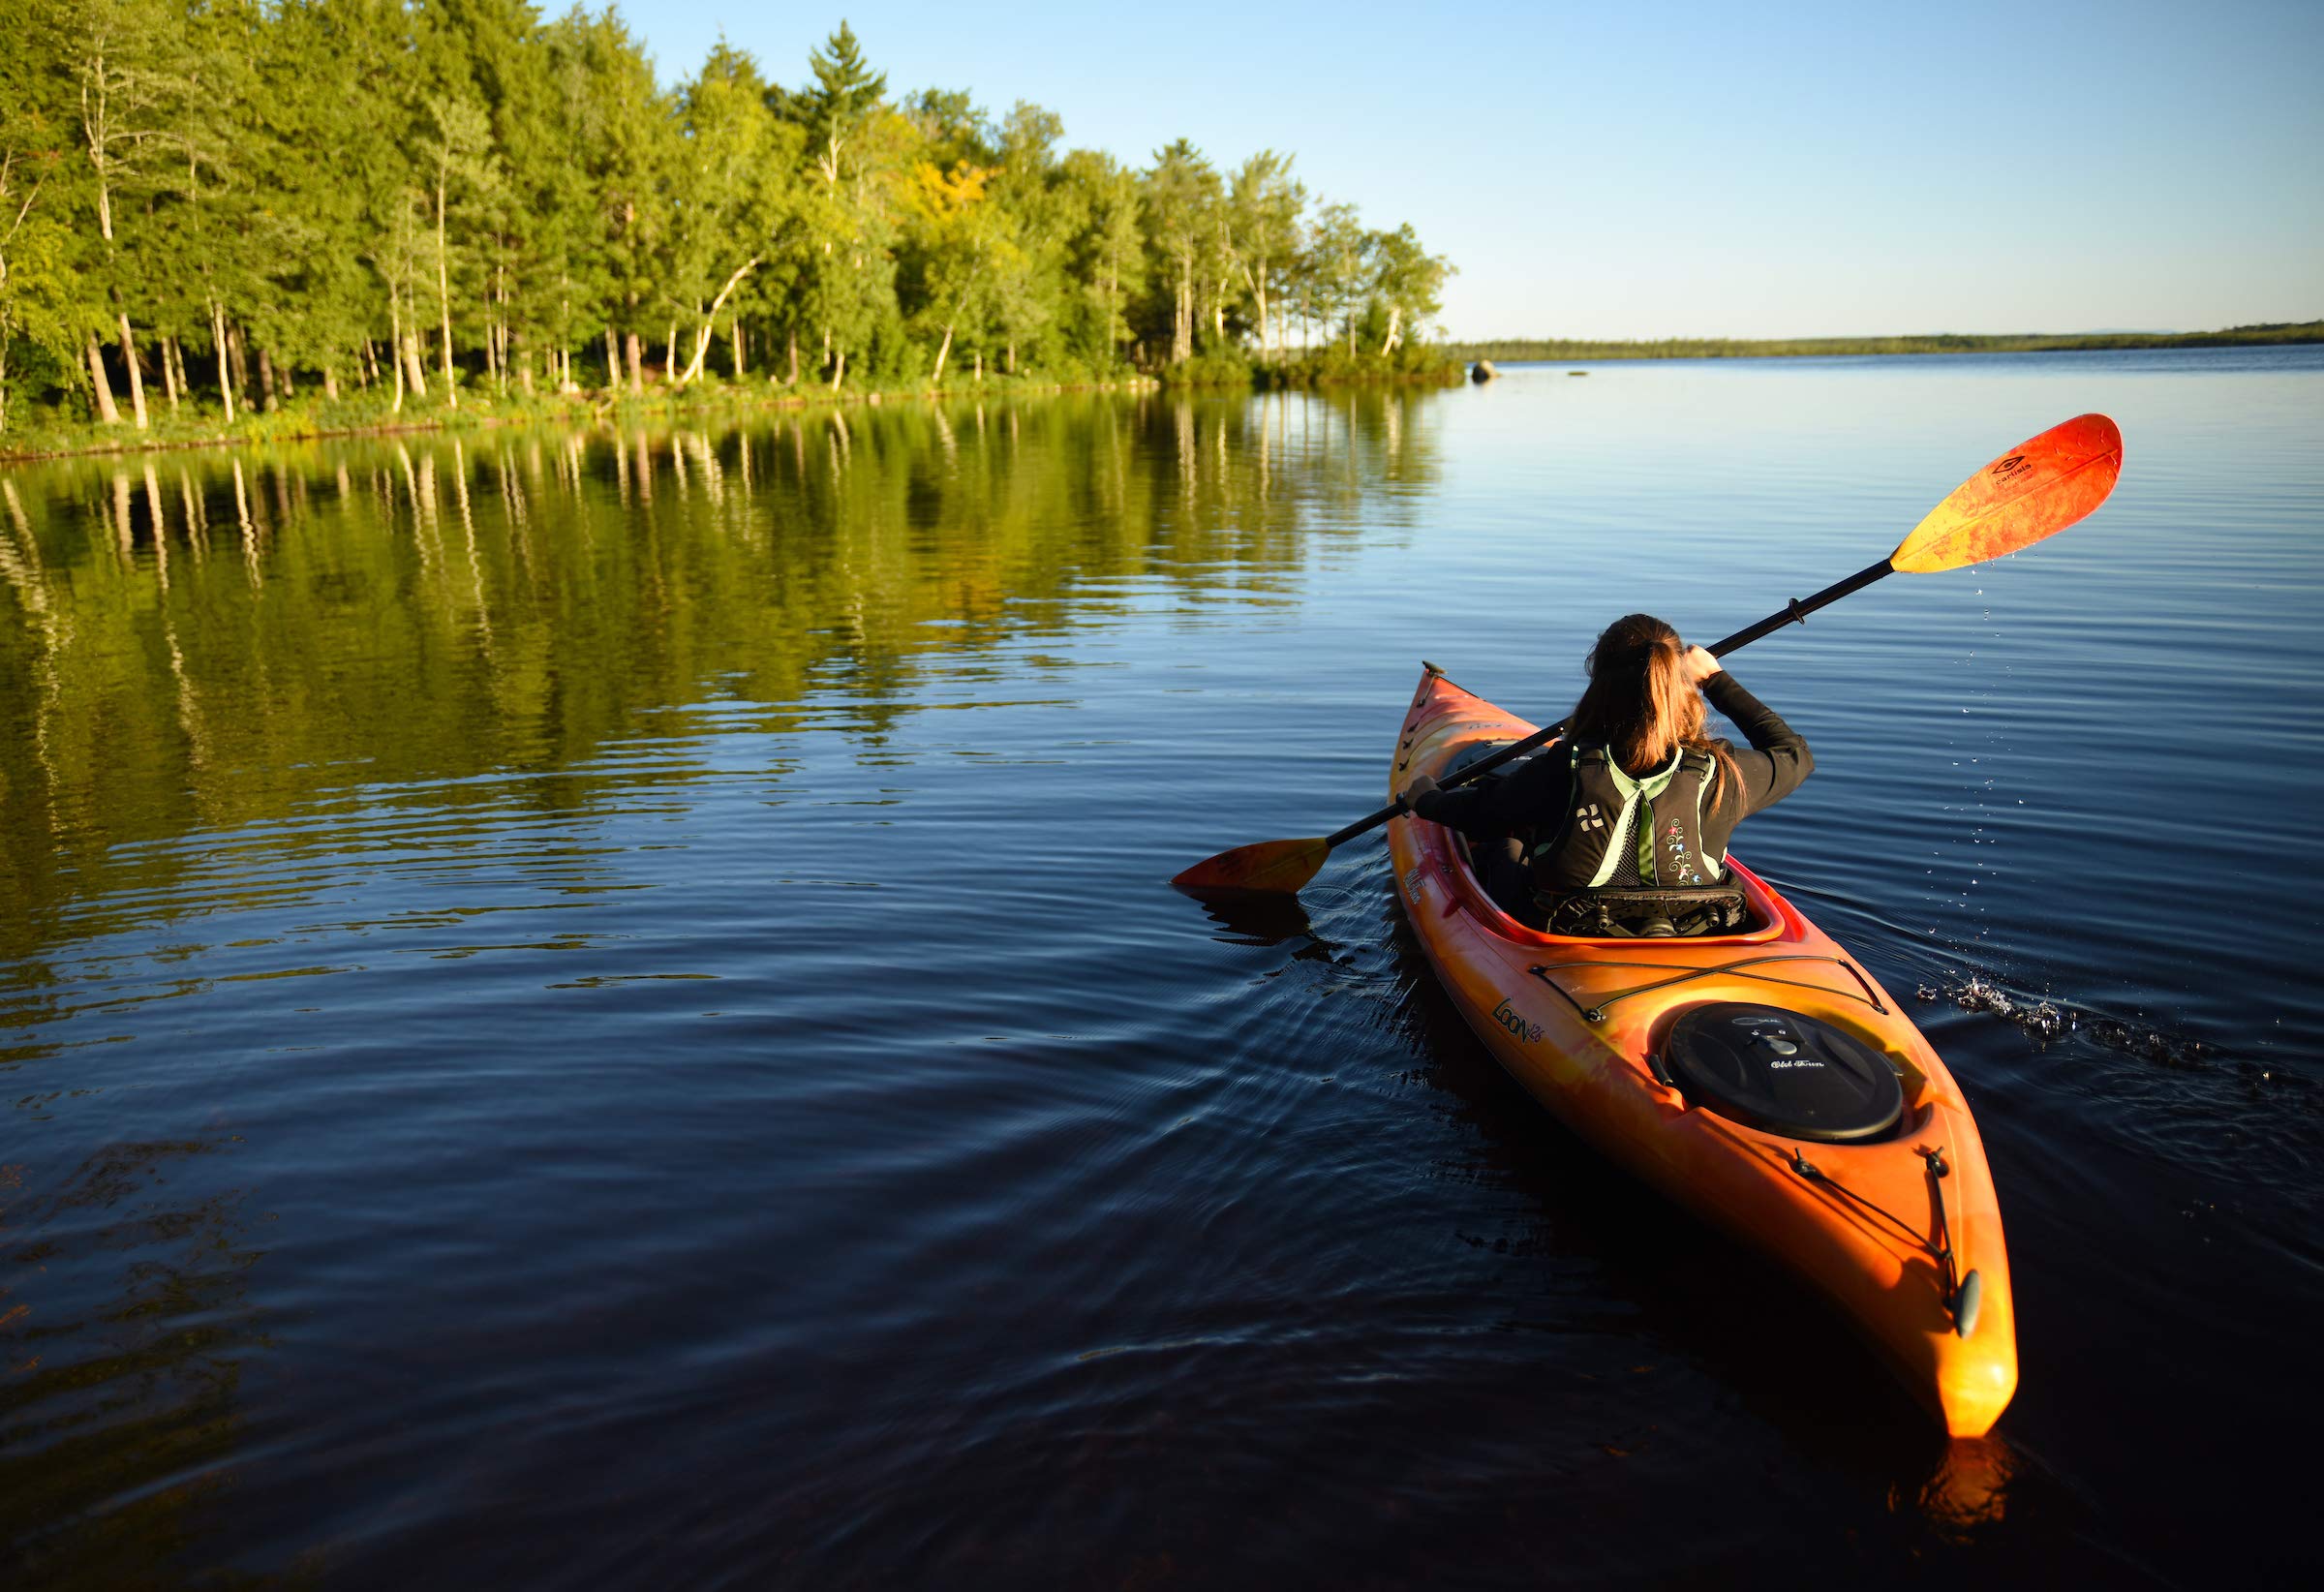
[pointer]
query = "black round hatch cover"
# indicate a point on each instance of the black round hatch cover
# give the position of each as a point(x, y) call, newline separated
point(1782, 1073)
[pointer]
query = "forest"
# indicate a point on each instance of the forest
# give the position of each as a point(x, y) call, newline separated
point(211, 208)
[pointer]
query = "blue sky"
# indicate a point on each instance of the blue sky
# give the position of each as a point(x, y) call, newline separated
point(1683, 169)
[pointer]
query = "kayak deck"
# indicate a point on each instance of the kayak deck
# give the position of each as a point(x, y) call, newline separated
point(1903, 1231)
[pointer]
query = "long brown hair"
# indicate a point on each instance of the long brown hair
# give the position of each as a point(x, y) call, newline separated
point(1638, 704)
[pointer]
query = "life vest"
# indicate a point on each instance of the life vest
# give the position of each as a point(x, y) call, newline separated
point(1666, 840)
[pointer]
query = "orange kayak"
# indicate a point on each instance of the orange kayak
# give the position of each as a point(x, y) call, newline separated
point(1761, 1078)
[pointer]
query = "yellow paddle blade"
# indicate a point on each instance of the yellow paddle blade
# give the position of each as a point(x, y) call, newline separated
point(1265, 865)
point(2034, 490)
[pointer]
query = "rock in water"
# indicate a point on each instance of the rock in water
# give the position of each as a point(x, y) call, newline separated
point(1483, 372)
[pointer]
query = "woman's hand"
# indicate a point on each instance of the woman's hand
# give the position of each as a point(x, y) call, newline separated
point(1421, 785)
point(1699, 666)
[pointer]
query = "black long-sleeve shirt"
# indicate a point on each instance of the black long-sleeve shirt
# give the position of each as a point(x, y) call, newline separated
point(1538, 793)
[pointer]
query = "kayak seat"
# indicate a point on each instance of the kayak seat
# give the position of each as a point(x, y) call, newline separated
point(1617, 912)
point(1647, 912)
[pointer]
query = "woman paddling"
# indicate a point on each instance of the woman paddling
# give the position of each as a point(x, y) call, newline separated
point(1634, 797)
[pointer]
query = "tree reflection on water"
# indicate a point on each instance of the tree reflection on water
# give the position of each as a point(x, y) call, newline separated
point(125, 1321)
point(221, 640)
point(225, 675)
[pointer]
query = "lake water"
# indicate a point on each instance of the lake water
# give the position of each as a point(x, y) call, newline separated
point(601, 1008)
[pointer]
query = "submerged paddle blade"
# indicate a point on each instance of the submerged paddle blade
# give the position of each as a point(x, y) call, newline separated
point(2034, 490)
point(1270, 864)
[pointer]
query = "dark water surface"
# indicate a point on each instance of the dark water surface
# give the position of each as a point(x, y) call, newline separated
point(601, 1010)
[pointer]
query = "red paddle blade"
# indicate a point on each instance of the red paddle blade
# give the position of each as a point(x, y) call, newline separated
point(2034, 490)
point(1265, 865)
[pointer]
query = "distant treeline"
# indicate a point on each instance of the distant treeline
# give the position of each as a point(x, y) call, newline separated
point(1731, 347)
point(213, 205)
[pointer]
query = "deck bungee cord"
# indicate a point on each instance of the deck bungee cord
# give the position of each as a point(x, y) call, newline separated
point(1962, 1294)
point(1741, 968)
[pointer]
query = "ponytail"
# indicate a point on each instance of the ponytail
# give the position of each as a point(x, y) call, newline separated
point(1640, 705)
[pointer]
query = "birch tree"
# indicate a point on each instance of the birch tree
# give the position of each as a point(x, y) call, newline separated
point(210, 226)
point(456, 155)
point(1266, 203)
point(1405, 280)
point(840, 113)
point(1336, 268)
point(1036, 217)
point(736, 198)
point(954, 220)
point(1106, 252)
point(118, 55)
point(214, 191)
point(1180, 192)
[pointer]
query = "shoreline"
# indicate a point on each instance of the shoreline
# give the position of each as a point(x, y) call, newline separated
point(1551, 349)
point(563, 409)
point(286, 426)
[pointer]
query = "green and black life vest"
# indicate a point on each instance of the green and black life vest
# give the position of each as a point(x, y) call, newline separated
point(1654, 822)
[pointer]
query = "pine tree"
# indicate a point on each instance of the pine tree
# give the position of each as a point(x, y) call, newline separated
point(842, 98)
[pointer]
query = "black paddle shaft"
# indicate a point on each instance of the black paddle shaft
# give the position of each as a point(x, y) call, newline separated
point(1796, 612)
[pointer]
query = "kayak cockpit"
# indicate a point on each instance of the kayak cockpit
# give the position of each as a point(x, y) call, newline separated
point(1763, 913)
point(1762, 1066)
point(1729, 909)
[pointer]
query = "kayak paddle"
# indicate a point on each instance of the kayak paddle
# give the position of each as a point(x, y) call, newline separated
point(2035, 490)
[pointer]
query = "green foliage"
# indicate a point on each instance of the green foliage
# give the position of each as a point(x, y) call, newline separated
point(428, 208)
point(1212, 368)
point(1332, 365)
point(38, 345)
point(846, 90)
